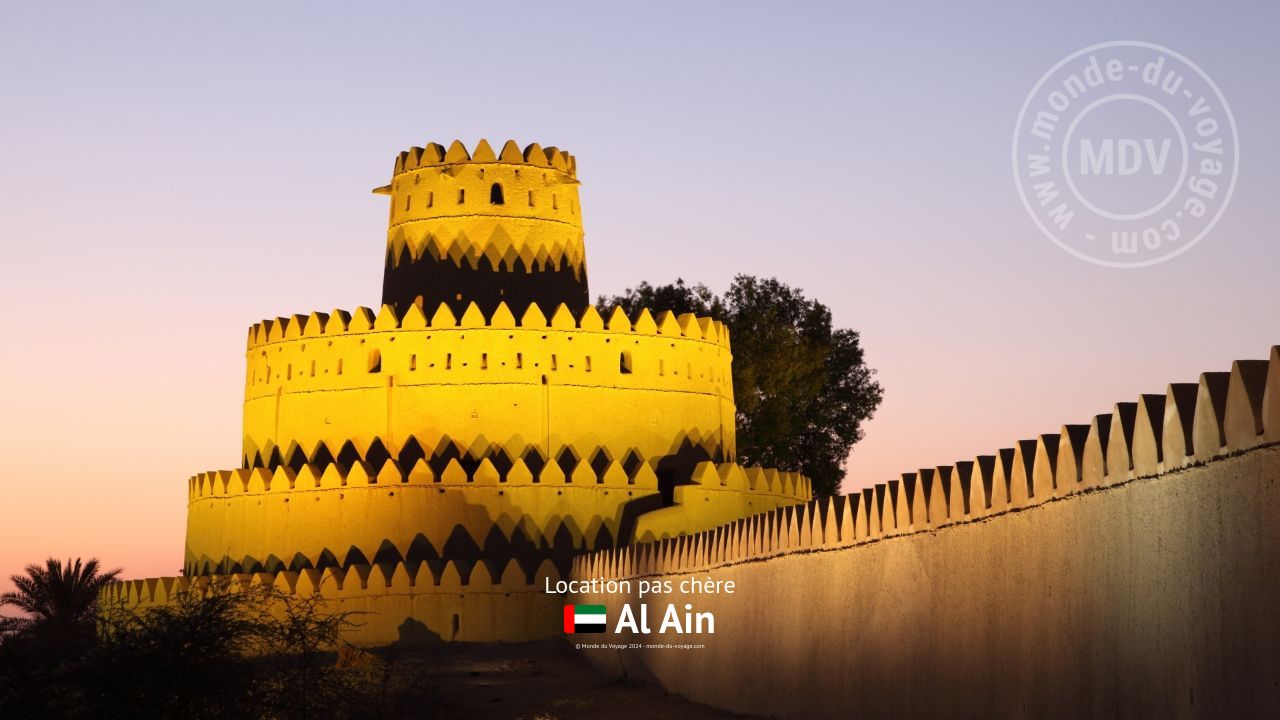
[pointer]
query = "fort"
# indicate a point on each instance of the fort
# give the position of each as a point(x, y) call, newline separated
point(434, 463)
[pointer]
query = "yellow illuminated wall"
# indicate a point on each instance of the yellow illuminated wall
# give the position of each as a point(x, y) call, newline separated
point(488, 385)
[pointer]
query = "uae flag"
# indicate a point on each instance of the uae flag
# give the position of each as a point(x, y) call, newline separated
point(584, 618)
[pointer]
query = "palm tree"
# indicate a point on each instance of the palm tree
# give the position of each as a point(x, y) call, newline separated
point(57, 597)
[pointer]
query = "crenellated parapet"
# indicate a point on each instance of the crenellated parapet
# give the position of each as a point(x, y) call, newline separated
point(532, 317)
point(261, 481)
point(1191, 424)
point(340, 582)
point(533, 156)
point(392, 601)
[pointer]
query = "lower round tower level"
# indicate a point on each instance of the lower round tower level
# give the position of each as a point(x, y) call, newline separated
point(428, 463)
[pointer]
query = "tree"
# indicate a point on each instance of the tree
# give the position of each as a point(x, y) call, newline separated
point(802, 388)
point(183, 658)
point(9, 625)
point(59, 599)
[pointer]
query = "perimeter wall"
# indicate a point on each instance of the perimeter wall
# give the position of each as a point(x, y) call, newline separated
point(1125, 568)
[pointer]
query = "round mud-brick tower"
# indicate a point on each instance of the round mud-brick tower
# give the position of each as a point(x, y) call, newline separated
point(432, 463)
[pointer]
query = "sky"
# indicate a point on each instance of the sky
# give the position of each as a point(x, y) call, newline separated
point(171, 174)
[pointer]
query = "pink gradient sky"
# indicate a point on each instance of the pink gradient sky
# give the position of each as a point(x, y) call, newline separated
point(169, 176)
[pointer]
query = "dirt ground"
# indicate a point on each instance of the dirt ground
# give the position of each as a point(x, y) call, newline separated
point(532, 681)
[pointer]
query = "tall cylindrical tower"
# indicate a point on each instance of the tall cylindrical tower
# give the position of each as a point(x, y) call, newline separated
point(484, 228)
point(432, 463)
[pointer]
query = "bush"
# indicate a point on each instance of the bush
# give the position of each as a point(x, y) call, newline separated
point(219, 652)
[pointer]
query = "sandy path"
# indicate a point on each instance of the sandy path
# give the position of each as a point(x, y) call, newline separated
point(532, 681)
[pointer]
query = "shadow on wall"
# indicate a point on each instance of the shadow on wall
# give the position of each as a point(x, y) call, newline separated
point(687, 450)
point(430, 280)
point(677, 468)
point(415, 633)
